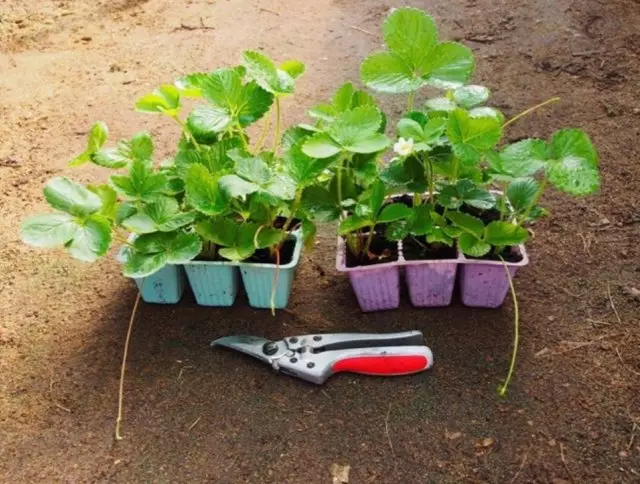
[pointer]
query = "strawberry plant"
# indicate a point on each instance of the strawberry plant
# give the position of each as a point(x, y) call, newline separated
point(217, 197)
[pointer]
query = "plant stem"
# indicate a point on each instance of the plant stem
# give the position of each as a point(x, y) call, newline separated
point(456, 168)
point(123, 368)
point(122, 240)
point(186, 131)
point(367, 244)
point(263, 135)
point(503, 201)
point(339, 182)
point(527, 111)
point(430, 179)
point(536, 199)
point(287, 223)
point(415, 239)
point(502, 389)
point(410, 100)
point(276, 137)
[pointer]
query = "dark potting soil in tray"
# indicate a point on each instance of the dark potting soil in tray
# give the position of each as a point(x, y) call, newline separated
point(487, 216)
point(262, 256)
point(508, 254)
point(279, 222)
point(387, 252)
point(403, 199)
point(419, 249)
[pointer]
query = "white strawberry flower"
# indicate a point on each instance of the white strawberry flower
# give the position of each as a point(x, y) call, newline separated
point(404, 147)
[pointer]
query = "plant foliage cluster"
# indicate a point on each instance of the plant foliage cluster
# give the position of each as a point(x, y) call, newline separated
point(223, 195)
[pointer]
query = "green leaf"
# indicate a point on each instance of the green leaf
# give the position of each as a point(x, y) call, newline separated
point(48, 231)
point(415, 57)
point(434, 129)
point(521, 193)
point(470, 136)
point(293, 67)
point(468, 223)
point(206, 120)
point(394, 174)
point(153, 251)
point(323, 112)
point(398, 230)
point(522, 159)
point(309, 231)
point(356, 125)
point(139, 265)
point(141, 183)
point(223, 88)
point(190, 85)
point(480, 133)
point(109, 158)
point(486, 112)
point(81, 159)
point(236, 187)
point(386, 72)
point(202, 191)
point(421, 220)
point(320, 145)
point(376, 197)
point(139, 147)
point(68, 196)
point(393, 212)
point(140, 223)
point(124, 211)
point(254, 104)
point(408, 128)
point(353, 223)
point(440, 104)
point(293, 136)
point(178, 247)
point(320, 204)
point(219, 230)
point(411, 35)
point(268, 237)
point(177, 221)
point(245, 240)
point(304, 169)
point(231, 99)
point(439, 236)
point(165, 99)
point(500, 234)
point(160, 215)
point(374, 143)
point(450, 65)
point(98, 135)
point(183, 248)
point(466, 191)
point(109, 199)
point(470, 96)
point(264, 72)
point(282, 187)
point(471, 246)
point(343, 97)
point(253, 169)
point(91, 240)
point(574, 168)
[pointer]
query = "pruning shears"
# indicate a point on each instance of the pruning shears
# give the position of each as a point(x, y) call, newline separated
point(315, 357)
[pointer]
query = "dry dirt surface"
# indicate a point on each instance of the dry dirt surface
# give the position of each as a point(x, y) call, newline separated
point(193, 414)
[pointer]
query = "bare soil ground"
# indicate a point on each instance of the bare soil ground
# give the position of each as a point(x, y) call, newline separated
point(197, 415)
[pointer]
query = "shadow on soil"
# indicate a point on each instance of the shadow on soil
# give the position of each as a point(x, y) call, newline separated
point(190, 407)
